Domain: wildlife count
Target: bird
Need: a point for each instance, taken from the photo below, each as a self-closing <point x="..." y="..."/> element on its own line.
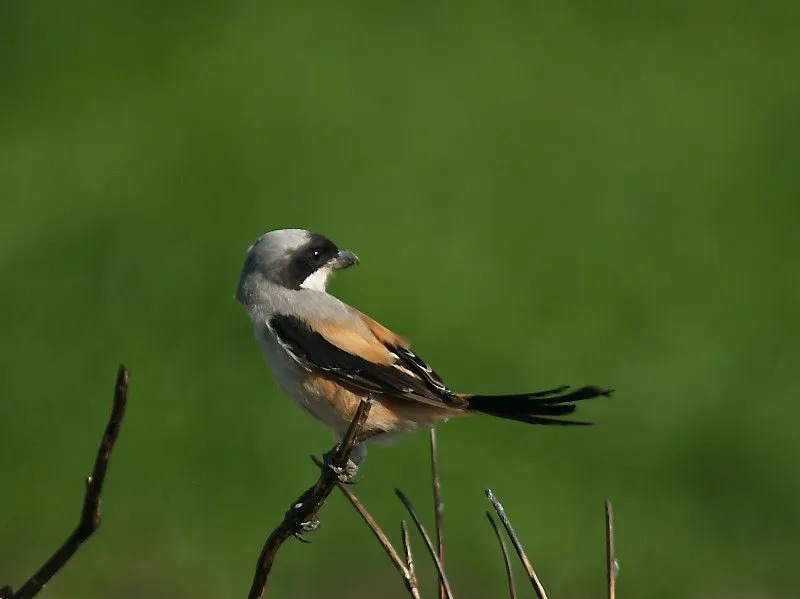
<point x="328" y="356"/>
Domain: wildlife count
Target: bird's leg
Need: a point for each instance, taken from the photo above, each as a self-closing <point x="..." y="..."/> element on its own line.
<point x="347" y="473"/>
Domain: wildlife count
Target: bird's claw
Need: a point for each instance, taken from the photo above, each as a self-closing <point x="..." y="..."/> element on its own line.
<point x="309" y="526"/>
<point x="299" y="536"/>
<point x="347" y="473"/>
<point x="300" y="526"/>
<point x="304" y="528"/>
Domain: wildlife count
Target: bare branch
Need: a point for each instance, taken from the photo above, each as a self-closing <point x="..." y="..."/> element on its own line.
<point x="90" y="513"/>
<point x="428" y="543"/>
<point x="512" y="589"/>
<point x="438" y="506"/>
<point x="498" y="507"/>
<point x="305" y="508"/>
<point x="612" y="564"/>
<point x="406" y="568"/>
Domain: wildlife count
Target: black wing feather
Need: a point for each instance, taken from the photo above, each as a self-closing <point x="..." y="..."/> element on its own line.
<point x="414" y="381"/>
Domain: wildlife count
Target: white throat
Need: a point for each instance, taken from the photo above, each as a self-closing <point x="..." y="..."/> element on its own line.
<point x="317" y="280"/>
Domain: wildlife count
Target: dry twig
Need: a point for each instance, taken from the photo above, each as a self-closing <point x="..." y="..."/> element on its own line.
<point x="428" y="543"/>
<point x="438" y="506"/>
<point x="406" y="568"/>
<point x="612" y="565"/>
<point x="90" y="514"/>
<point x="305" y="508"/>
<point x="512" y="589"/>
<point x="407" y="550"/>
<point x="498" y="507"/>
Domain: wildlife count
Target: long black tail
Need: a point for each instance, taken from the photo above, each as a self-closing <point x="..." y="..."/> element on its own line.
<point x="536" y="408"/>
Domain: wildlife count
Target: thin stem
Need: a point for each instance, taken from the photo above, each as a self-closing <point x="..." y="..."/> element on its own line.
<point x="612" y="564"/>
<point x="438" y="506"/>
<point x="428" y="543"/>
<point x="406" y="568"/>
<point x="90" y="513"/>
<point x="512" y="588"/>
<point x="535" y="582"/>
<point x="305" y="508"/>
<point x="407" y="549"/>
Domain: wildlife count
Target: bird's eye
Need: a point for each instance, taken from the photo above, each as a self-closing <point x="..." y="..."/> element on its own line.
<point x="316" y="253"/>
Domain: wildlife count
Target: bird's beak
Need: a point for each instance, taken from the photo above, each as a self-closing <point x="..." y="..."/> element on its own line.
<point x="344" y="259"/>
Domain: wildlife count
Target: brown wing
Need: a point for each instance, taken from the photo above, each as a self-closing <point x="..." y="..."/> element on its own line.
<point x="367" y="347"/>
<point x="383" y="334"/>
<point x="365" y="362"/>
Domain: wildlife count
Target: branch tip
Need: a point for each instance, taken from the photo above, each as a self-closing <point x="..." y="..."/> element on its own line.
<point x="427" y="538"/>
<point x="90" y="511"/>
<point x="612" y="563"/>
<point x="523" y="556"/>
<point x="512" y="589"/>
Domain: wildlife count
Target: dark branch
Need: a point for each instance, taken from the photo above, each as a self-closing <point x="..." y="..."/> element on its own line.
<point x="612" y="565"/>
<point x="498" y="507"/>
<point x="438" y="506"/>
<point x="512" y="589"/>
<point x="90" y="514"/>
<point x="428" y="543"/>
<point x="305" y="508"/>
<point x="406" y="568"/>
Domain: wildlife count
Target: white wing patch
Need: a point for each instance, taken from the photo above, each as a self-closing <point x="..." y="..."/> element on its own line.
<point x="423" y="371"/>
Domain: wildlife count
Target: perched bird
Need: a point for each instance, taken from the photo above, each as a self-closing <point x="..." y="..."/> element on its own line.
<point x="327" y="356"/>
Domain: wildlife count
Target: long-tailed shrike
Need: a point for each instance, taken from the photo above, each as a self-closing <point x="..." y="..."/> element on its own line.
<point x="328" y="356"/>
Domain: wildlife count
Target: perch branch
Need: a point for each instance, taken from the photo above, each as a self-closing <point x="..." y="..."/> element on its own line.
<point x="612" y="565"/>
<point x="501" y="513"/>
<point x="90" y="513"/>
<point x="438" y="506"/>
<point x="305" y="508"/>
<point x="512" y="589"/>
<point x="406" y="568"/>
<point x="428" y="543"/>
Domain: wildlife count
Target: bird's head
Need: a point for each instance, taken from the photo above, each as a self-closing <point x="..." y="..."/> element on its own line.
<point x="296" y="259"/>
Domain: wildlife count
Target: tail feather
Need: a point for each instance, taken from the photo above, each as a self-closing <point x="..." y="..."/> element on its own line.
<point x="555" y="391"/>
<point x="534" y="408"/>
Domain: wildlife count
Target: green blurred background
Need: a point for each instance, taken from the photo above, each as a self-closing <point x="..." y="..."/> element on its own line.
<point x="540" y="193"/>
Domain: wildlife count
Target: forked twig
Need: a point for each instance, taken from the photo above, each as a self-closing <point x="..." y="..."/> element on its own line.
<point x="309" y="503"/>
<point x="90" y="513"/>
<point x="512" y="588"/>
<point x="428" y="543"/>
<point x="498" y="507"/>
<point x="438" y="506"/>
<point x="612" y="564"/>
<point x="406" y="568"/>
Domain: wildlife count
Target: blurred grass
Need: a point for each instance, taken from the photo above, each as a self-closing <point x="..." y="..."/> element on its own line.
<point x="540" y="194"/>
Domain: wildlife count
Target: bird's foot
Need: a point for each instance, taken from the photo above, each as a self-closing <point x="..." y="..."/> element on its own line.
<point x="300" y="526"/>
<point x="346" y="474"/>
<point x="304" y="528"/>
